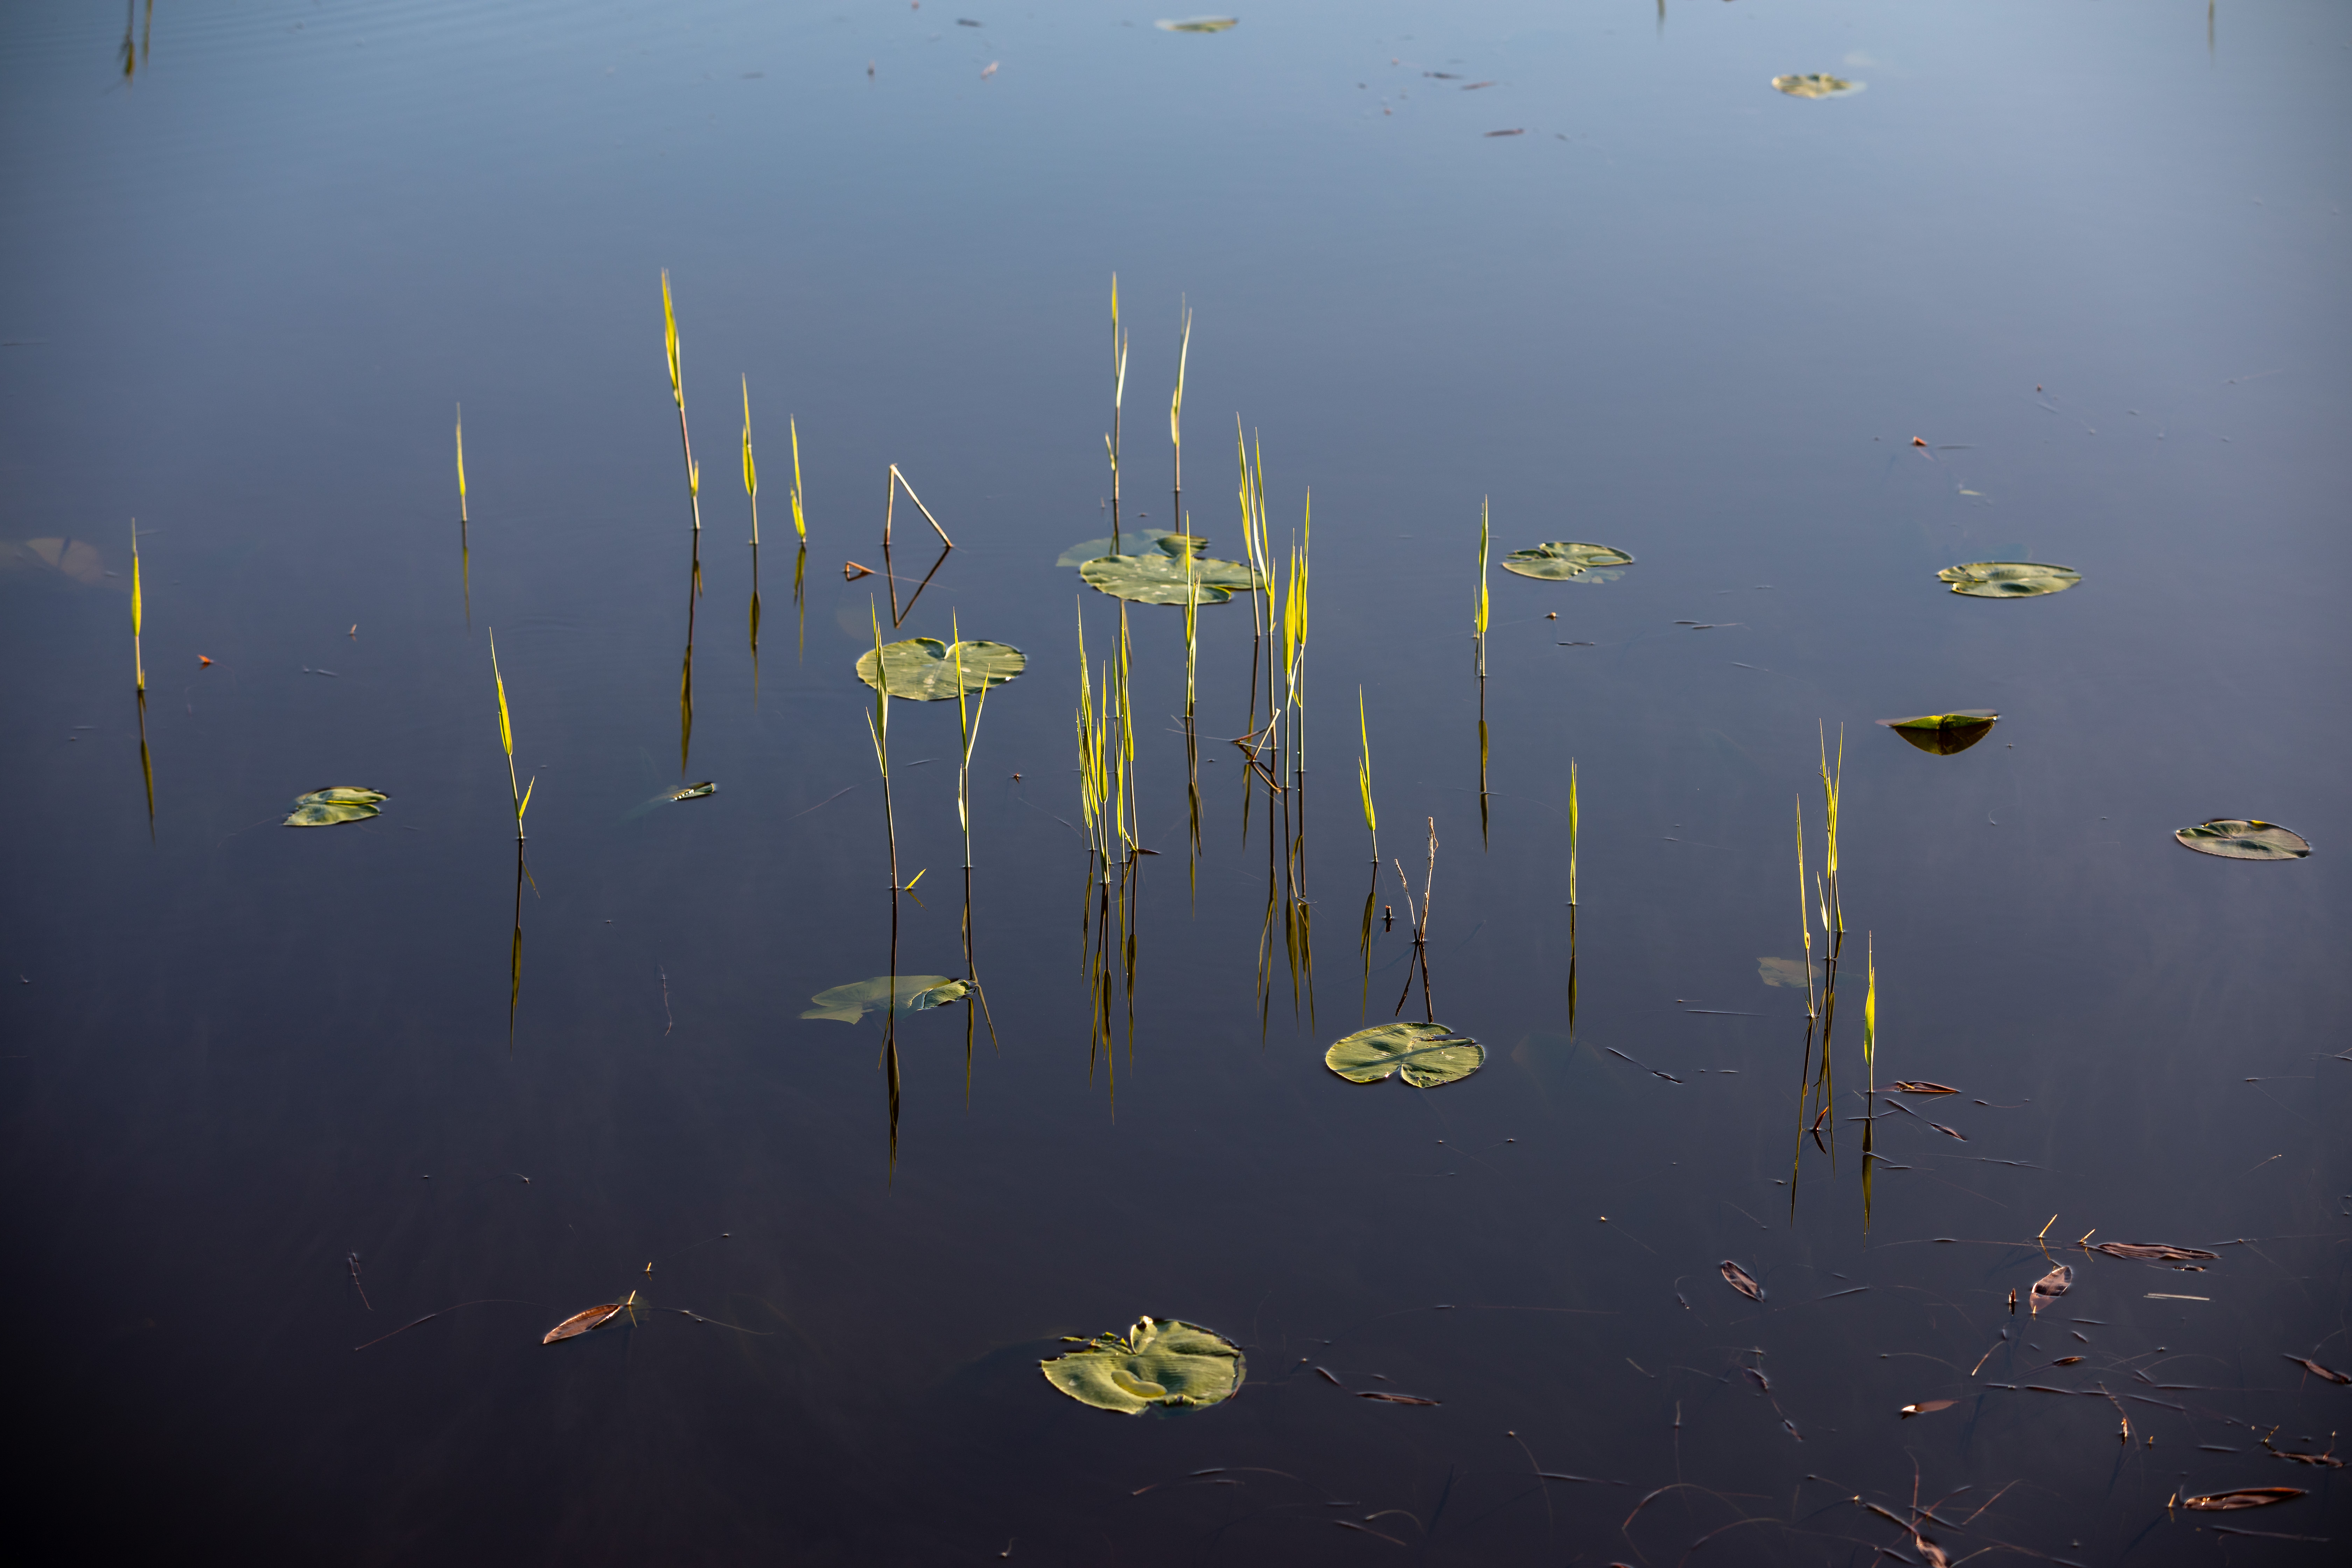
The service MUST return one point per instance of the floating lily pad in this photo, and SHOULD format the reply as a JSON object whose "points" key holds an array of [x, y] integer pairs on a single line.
{"points": [[1427, 1054], [2009, 579], [916, 994], [1816, 84], [326, 807], [1131, 542], [1159, 1362], [1561, 560], [1159, 577], [923, 669], [2242, 838], [1944, 733], [1199, 25]]}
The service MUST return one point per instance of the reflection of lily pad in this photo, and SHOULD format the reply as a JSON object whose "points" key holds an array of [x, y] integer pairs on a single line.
{"points": [[1158, 1362], [1784, 972], [1131, 542], [2241, 838], [1561, 560], [2009, 579], [923, 669], [326, 807], [1199, 25], [1159, 577], [1816, 84], [1944, 733], [69, 557], [916, 994], [1427, 1054]]}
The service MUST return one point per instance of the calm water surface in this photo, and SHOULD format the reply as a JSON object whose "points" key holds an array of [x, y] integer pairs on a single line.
{"points": [[2092, 255]]}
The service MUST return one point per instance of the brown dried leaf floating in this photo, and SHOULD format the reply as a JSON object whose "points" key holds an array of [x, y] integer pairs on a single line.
{"points": [[1393, 1398], [2244, 1496], [2051, 1285], [1926, 1407], [2157, 1251], [2316, 1370], [1740, 1279], [1924, 1089], [580, 1323]]}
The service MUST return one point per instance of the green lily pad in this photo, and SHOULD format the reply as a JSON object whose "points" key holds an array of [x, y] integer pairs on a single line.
{"points": [[1159, 1362], [1561, 560], [2009, 579], [923, 669], [1816, 84], [326, 807], [916, 994], [1199, 25], [1427, 1054], [2242, 838], [1944, 733], [1131, 542], [1159, 577]]}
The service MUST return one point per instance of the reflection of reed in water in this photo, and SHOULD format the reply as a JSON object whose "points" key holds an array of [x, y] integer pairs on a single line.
{"points": [[1573, 824], [1817, 1088]]}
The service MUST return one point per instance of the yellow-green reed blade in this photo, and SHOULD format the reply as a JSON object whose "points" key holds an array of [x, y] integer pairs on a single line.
{"points": [[461, 463], [669, 342], [800, 524], [1571, 832]]}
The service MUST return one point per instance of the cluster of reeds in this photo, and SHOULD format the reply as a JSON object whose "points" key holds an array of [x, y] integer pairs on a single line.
{"points": [[1818, 899], [968, 717], [877, 727], [1106, 784]]}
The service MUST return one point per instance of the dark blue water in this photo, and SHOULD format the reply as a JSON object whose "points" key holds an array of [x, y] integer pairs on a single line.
{"points": [[2063, 283]]}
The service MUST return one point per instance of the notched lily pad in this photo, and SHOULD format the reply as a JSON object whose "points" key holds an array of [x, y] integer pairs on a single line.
{"points": [[1199, 25], [2009, 579], [1131, 542], [923, 669], [326, 807], [1944, 734], [1817, 84], [916, 994], [2243, 838], [1158, 576], [1428, 1055], [1559, 561], [1159, 1362]]}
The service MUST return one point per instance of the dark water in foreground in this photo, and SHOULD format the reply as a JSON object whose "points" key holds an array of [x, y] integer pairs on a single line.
{"points": [[2092, 254]]}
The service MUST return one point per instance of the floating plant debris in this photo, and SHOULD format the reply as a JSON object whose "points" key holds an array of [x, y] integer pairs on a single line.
{"points": [[2244, 839], [1159, 1362], [1909, 1088], [1943, 734], [2316, 1370], [1740, 1279], [2244, 1496], [1393, 1398], [1427, 1054], [326, 807], [579, 1323], [916, 994], [1926, 1407], [1159, 577], [2156, 1251], [1561, 560], [1199, 25], [702, 791], [2051, 1285], [924, 669], [1816, 84], [2009, 579]]}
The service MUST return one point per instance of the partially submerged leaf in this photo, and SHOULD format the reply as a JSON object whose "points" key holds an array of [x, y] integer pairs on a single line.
{"points": [[1943, 734], [1131, 542], [326, 807], [1925, 1407], [2244, 1496], [579, 1323], [923, 669], [1816, 84], [2316, 1370], [916, 994], [2009, 579], [1158, 1362], [1561, 559], [2153, 1251], [2244, 839], [1159, 575], [695, 791], [1740, 1279], [1909, 1088], [2051, 1285], [1427, 1055], [1784, 970], [1199, 25]]}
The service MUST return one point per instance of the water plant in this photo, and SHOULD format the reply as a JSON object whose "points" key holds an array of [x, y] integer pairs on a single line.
{"points": [[968, 717], [465, 545], [877, 727]]}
